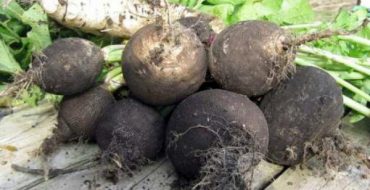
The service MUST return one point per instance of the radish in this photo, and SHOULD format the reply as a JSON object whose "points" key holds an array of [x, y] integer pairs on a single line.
{"points": [[303, 110], [77, 117], [252, 57], [130, 133], [164, 63], [68, 66], [215, 137], [119, 18]]}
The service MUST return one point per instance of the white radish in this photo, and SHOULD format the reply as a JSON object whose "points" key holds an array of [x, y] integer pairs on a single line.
{"points": [[121, 18]]}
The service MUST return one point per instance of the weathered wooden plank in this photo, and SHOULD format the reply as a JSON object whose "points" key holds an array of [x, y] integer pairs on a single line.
{"points": [[264, 173], [165, 175], [93, 178], [160, 175], [354, 178], [308, 180], [20, 137]]}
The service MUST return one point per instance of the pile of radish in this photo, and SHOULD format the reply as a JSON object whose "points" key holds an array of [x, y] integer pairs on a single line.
{"points": [[260, 105], [213, 137]]}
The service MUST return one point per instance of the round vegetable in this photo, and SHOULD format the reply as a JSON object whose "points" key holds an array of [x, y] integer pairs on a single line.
{"points": [[211, 132], [77, 116], [251, 57], [131, 131], [68, 66], [301, 110], [162, 64]]}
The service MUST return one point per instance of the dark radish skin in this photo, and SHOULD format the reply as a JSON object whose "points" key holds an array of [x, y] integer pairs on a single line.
{"points": [[81, 112], [132, 131], [303, 109], [68, 66], [196, 120], [251, 57], [162, 65], [77, 116]]}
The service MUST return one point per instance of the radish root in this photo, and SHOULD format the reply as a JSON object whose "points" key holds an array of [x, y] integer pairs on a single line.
{"points": [[119, 18]]}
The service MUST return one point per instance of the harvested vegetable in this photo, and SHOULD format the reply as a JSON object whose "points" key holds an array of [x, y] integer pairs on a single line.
{"points": [[301, 111], [130, 133], [252, 57], [68, 66], [77, 117], [216, 136], [296, 15], [163, 64], [119, 18]]}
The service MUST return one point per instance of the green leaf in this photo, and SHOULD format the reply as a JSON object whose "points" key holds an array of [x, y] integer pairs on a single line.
{"points": [[281, 12], [23, 32], [7, 62], [11, 9], [31, 96], [293, 12], [365, 32], [7, 34], [255, 10], [232, 2], [223, 11], [39, 36], [350, 20]]}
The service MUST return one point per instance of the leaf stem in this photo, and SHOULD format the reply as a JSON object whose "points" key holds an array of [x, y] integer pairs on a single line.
{"points": [[352, 63], [302, 26], [356, 106], [114, 79], [355, 39]]}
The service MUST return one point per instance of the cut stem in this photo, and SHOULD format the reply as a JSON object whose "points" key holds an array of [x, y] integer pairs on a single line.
{"points": [[337, 58], [113, 53], [114, 79]]}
